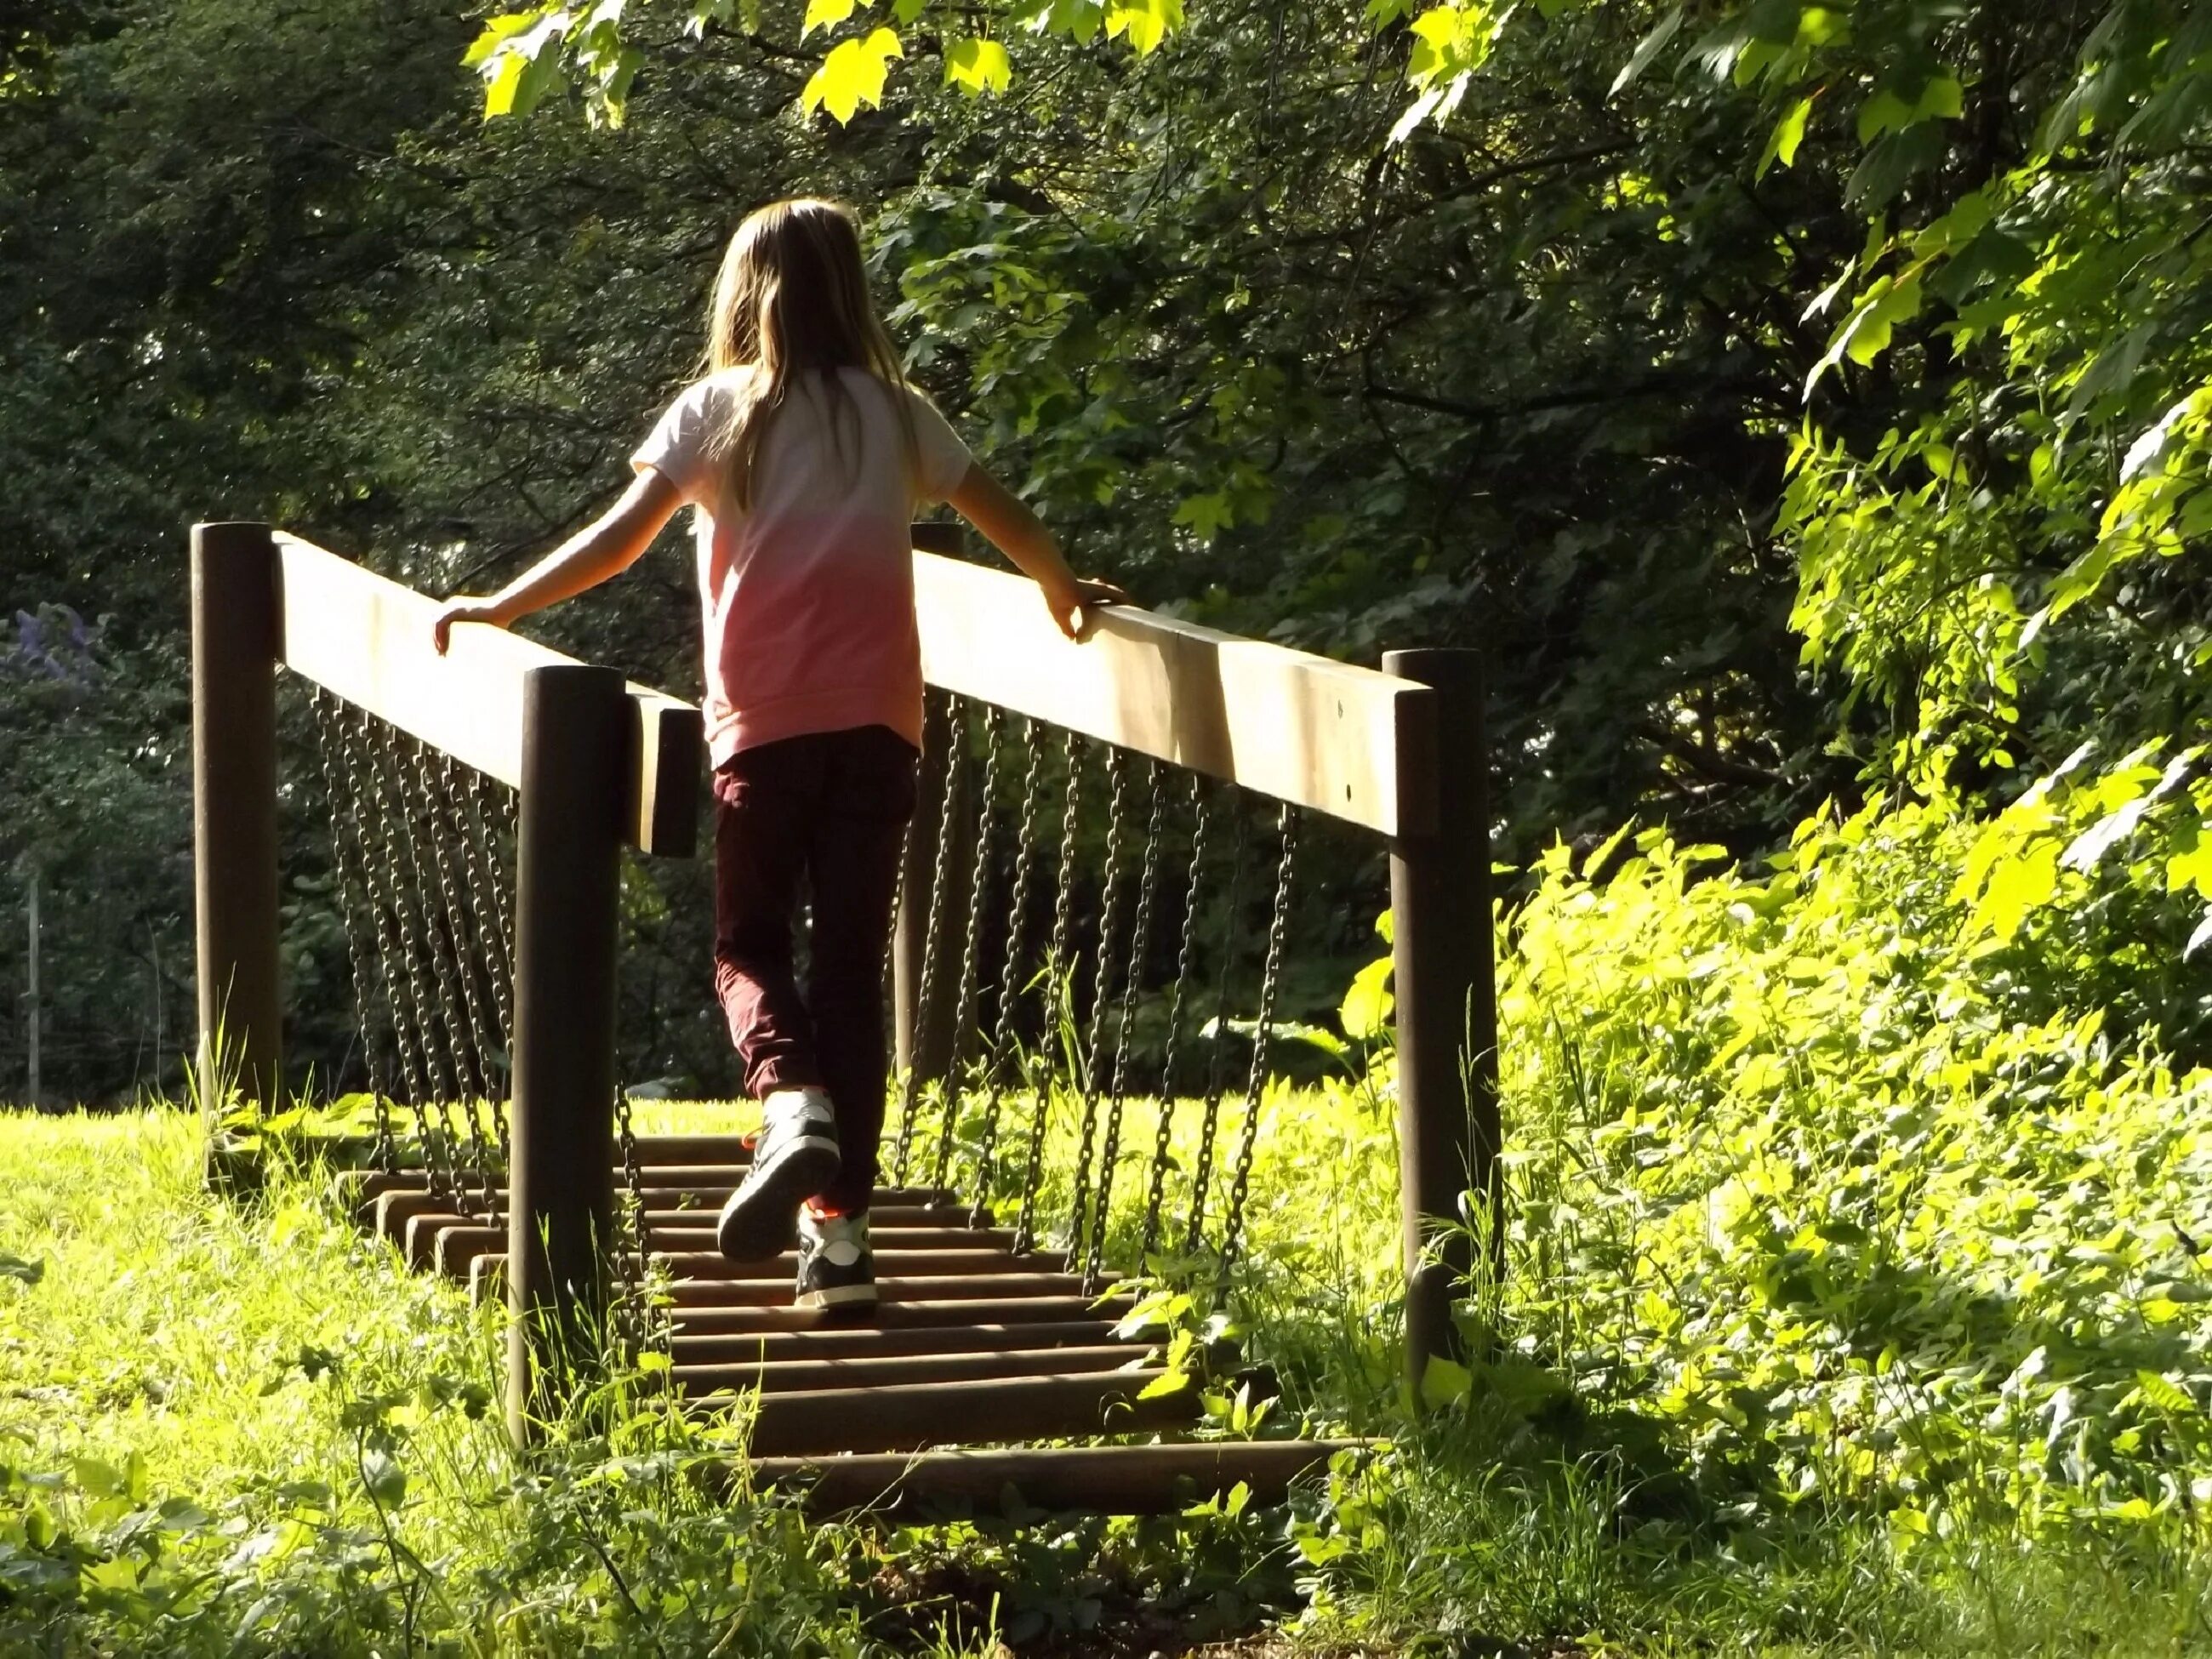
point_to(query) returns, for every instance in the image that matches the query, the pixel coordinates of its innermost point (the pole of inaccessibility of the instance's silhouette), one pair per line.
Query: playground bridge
(480, 803)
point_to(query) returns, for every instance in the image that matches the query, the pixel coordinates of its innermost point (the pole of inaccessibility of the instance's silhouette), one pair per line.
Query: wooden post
(1447, 1014)
(576, 733)
(235, 645)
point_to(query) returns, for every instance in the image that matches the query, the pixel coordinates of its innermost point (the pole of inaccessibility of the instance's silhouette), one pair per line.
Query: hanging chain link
(490, 877)
(940, 878)
(1056, 975)
(402, 755)
(1278, 927)
(1201, 802)
(464, 933)
(1001, 1051)
(971, 944)
(1216, 1077)
(1141, 939)
(345, 826)
(633, 1239)
(399, 977)
(1089, 1081)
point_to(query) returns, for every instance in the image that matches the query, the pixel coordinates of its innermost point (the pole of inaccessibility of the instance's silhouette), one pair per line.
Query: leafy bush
(1871, 1178)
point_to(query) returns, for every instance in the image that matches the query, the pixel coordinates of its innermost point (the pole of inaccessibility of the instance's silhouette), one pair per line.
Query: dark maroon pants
(830, 808)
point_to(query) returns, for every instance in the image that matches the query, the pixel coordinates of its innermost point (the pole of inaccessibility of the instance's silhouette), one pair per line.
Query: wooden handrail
(368, 639)
(1324, 734)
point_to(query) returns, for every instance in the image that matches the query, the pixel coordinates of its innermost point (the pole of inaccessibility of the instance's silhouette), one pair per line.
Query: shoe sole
(838, 1296)
(761, 1218)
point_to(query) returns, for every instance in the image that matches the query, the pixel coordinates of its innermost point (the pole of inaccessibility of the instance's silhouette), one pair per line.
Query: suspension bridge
(479, 805)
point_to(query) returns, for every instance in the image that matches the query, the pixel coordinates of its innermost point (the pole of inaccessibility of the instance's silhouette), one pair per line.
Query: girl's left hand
(463, 610)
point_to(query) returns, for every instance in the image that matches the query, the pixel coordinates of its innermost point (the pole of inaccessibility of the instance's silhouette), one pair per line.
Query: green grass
(261, 1390)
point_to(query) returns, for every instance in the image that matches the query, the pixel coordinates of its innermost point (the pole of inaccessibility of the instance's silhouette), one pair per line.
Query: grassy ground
(241, 1429)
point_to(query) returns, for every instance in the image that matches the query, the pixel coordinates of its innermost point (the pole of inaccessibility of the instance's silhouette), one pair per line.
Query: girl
(803, 454)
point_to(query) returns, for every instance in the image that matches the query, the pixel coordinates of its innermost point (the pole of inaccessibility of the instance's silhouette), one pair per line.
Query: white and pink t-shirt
(808, 598)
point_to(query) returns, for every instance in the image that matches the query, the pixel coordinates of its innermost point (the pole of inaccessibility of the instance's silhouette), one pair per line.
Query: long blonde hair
(792, 302)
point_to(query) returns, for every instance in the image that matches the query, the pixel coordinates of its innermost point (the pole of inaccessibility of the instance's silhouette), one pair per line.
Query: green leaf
(1646, 49)
(20, 1269)
(852, 75)
(2165, 1394)
(826, 15)
(1788, 133)
(2017, 885)
(978, 66)
(384, 1480)
(1143, 23)
(496, 31)
(1444, 1382)
(1165, 1383)
(1365, 1012)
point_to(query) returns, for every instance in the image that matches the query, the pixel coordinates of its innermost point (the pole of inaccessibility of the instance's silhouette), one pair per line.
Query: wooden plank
(859, 1341)
(1302, 728)
(716, 1294)
(985, 1410)
(368, 638)
(898, 1315)
(885, 1371)
(1091, 1480)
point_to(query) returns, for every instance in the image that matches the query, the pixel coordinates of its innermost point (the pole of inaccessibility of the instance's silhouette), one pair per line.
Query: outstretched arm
(1007, 522)
(606, 547)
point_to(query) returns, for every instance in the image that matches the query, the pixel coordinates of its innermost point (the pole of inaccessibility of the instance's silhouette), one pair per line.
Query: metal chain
(1055, 971)
(940, 878)
(464, 933)
(400, 861)
(396, 975)
(1216, 1082)
(1201, 803)
(1278, 927)
(447, 1069)
(971, 944)
(1094, 1057)
(349, 885)
(1141, 939)
(442, 943)
(633, 1236)
(490, 877)
(1002, 1034)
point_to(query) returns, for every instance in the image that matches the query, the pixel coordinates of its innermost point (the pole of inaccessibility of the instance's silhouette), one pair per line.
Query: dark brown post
(236, 639)
(576, 733)
(1448, 1128)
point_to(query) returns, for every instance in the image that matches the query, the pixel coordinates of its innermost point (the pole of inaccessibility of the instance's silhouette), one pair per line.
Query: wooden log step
(915, 1416)
(693, 1240)
(923, 1258)
(677, 1151)
(1090, 1479)
(710, 1294)
(393, 1210)
(881, 1218)
(418, 1239)
(896, 1315)
(456, 1250)
(883, 1370)
(859, 1341)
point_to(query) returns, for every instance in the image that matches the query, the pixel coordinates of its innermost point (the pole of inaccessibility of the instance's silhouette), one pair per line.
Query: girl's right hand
(1069, 600)
(465, 609)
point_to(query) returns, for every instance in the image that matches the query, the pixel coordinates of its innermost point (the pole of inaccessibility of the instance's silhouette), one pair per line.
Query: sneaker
(836, 1266)
(794, 1157)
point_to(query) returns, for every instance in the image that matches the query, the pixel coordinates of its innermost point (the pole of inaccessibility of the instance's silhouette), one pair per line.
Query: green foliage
(1860, 1181)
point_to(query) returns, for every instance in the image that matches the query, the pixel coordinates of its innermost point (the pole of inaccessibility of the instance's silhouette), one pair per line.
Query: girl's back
(806, 584)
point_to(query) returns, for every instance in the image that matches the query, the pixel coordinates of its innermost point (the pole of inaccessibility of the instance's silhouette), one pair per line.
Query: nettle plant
(1875, 1178)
